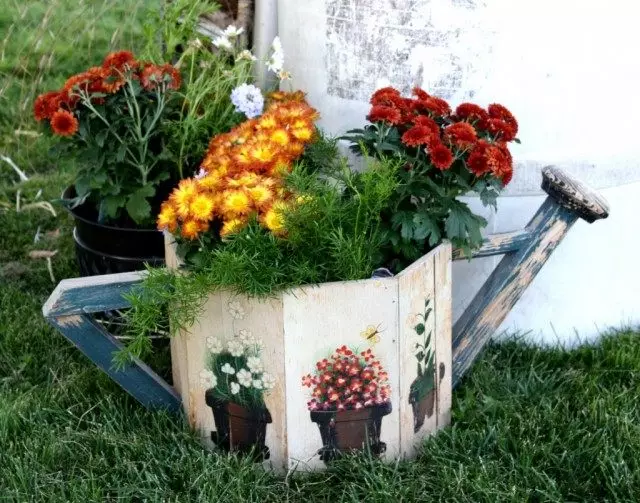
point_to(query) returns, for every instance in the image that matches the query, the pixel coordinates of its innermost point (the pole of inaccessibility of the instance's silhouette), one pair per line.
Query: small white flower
(223, 43)
(276, 61)
(235, 348)
(236, 310)
(248, 100)
(257, 383)
(228, 369)
(284, 75)
(231, 31)
(200, 174)
(268, 381)
(244, 378)
(245, 336)
(196, 43)
(254, 364)
(246, 54)
(208, 379)
(235, 388)
(213, 344)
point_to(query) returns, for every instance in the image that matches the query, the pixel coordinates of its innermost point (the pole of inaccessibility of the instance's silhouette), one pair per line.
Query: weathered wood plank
(136, 378)
(443, 348)
(94, 294)
(497, 244)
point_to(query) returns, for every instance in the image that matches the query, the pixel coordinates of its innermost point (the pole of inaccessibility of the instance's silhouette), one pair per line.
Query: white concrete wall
(570, 72)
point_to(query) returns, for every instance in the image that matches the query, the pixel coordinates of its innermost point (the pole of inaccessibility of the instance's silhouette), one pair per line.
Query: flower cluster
(96, 84)
(348, 381)
(236, 370)
(477, 136)
(242, 173)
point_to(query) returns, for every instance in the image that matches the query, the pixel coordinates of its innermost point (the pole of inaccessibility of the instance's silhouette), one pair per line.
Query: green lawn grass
(528, 424)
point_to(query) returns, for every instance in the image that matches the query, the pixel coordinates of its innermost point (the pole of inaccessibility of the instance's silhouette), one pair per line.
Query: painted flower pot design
(238, 428)
(422, 393)
(350, 397)
(235, 383)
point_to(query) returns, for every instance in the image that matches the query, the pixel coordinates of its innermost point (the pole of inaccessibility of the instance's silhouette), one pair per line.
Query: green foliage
(208, 79)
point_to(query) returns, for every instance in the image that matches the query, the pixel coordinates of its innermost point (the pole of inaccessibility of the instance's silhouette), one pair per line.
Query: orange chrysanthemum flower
(382, 113)
(190, 229)
(153, 75)
(236, 202)
(232, 226)
(261, 195)
(182, 196)
(64, 123)
(274, 218)
(441, 157)
(46, 105)
(202, 207)
(168, 217)
(461, 134)
(119, 60)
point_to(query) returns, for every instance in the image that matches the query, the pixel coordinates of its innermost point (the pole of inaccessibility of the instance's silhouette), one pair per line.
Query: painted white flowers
(268, 381)
(213, 344)
(208, 379)
(228, 369)
(244, 378)
(234, 387)
(236, 310)
(254, 364)
(257, 383)
(235, 348)
(248, 100)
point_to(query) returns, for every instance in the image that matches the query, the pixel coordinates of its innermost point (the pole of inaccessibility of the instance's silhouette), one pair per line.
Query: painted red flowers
(347, 380)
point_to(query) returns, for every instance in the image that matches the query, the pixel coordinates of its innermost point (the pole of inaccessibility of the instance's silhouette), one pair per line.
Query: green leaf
(517, 140)
(110, 205)
(138, 207)
(463, 226)
(121, 152)
(83, 186)
(419, 328)
(101, 137)
(426, 227)
(404, 221)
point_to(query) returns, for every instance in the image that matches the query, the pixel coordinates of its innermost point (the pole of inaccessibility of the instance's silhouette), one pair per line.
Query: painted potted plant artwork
(422, 393)
(235, 383)
(350, 397)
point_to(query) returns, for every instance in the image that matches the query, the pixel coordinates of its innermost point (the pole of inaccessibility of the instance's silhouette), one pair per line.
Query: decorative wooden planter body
(299, 329)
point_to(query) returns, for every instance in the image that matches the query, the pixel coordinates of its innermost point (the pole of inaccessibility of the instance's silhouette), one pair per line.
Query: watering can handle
(574, 195)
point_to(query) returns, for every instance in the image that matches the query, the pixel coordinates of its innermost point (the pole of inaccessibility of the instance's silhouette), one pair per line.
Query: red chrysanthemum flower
(64, 123)
(441, 157)
(417, 135)
(119, 60)
(488, 158)
(461, 134)
(421, 94)
(152, 75)
(471, 112)
(382, 113)
(497, 111)
(500, 129)
(436, 106)
(381, 96)
(505, 172)
(46, 105)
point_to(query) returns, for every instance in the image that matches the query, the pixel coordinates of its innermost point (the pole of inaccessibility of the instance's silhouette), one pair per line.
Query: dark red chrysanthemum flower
(421, 94)
(381, 95)
(461, 134)
(64, 123)
(417, 135)
(488, 158)
(441, 157)
(473, 113)
(505, 172)
(437, 106)
(500, 129)
(46, 105)
(382, 113)
(423, 120)
(497, 111)
(119, 60)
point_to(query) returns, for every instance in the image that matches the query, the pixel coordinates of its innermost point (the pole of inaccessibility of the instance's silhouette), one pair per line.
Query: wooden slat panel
(317, 321)
(415, 287)
(442, 309)
(498, 244)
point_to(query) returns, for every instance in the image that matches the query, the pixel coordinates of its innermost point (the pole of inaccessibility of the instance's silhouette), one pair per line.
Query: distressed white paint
(570, 73)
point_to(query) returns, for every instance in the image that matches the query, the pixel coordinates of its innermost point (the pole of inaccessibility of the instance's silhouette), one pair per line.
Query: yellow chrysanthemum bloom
(231, 226)
(202, 207)
(248, 179)
(167, 218)
(243, 156)
(182, 196)
(305, 198)
(261, 195)
(280, 137)
(268, 121)
(211, 182)
(274, 218)
(190, 229)
(303, 133)
(236, 202)
(263, 152)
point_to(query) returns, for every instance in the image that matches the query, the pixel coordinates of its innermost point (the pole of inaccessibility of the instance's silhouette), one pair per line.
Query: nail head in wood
(574, 195)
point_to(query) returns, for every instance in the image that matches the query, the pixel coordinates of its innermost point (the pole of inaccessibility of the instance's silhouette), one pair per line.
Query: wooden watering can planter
(389, 338)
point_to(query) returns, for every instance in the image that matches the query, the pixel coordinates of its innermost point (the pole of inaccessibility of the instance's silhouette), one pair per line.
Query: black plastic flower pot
(106, 249)
(351, 431)
(239, 429)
